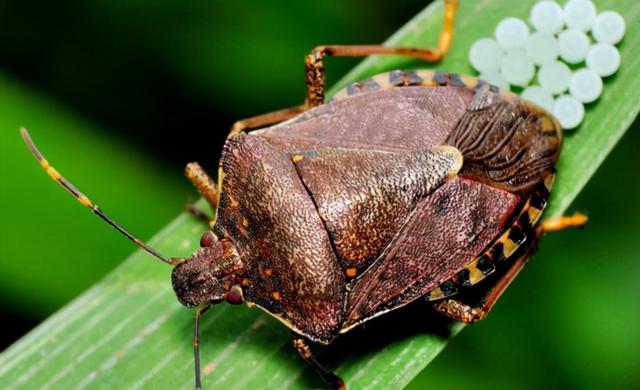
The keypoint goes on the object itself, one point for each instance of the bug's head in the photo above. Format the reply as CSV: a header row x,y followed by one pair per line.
x,y
209,275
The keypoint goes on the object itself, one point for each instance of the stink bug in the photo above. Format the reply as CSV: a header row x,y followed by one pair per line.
x,y
407,185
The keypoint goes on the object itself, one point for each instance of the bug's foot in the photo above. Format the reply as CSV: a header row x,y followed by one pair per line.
x,y
459,311
330,378
334,381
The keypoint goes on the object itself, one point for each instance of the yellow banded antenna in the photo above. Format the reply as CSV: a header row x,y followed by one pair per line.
x,y
82,198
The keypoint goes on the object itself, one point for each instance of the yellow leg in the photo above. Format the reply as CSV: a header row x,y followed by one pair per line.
x,y
472,313
554,224
314,65
269,118
203,182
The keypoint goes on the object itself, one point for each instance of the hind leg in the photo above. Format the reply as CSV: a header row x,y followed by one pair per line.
x,y
472,313
329,377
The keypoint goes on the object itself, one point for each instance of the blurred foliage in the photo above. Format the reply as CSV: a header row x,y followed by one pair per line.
x,y
52,249
120,94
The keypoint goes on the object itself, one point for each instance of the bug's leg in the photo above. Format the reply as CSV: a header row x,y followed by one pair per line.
x,y
314,65
554,224
329,377
205,185
314,69
196,342
269,118
468,314
197,212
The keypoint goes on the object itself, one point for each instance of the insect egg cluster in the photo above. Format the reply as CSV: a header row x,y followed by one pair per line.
x,y
571,48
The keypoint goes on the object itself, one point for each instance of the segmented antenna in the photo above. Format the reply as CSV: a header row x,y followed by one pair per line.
x,y
82,198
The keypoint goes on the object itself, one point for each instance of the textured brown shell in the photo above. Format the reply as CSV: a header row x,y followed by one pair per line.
x,y
347,211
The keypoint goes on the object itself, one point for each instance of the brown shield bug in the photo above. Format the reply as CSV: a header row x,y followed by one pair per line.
x,y
407,185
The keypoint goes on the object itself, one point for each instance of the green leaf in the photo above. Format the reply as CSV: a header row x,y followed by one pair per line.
x,y
128,331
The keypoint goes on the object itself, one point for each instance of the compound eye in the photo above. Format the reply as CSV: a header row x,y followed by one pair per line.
x,y
208,239
234,295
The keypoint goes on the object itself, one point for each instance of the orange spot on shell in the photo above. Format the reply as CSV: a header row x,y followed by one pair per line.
x,y
233,202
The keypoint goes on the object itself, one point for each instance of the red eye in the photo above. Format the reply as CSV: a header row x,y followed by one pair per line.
x,y
234,295
207,239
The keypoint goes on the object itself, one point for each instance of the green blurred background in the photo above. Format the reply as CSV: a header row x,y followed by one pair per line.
x,y
119,95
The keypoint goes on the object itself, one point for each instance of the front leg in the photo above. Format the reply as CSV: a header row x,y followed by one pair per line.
x,y
205,185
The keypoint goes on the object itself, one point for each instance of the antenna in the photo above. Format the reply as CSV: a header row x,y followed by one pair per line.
x,y
82,198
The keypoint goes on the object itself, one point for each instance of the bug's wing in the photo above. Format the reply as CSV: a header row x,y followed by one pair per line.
x,y
364,197
506,142
447,230
397,120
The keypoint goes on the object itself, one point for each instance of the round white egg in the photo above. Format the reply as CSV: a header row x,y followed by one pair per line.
x,y
495,78
547,16
486,55
608,27
512,33
585,86
539,96
604,59
554,76
574,45
517,68
568,111
542,47
579,14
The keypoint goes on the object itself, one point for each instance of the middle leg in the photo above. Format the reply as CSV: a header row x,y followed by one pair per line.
x,y
269,118
329,377
314,69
